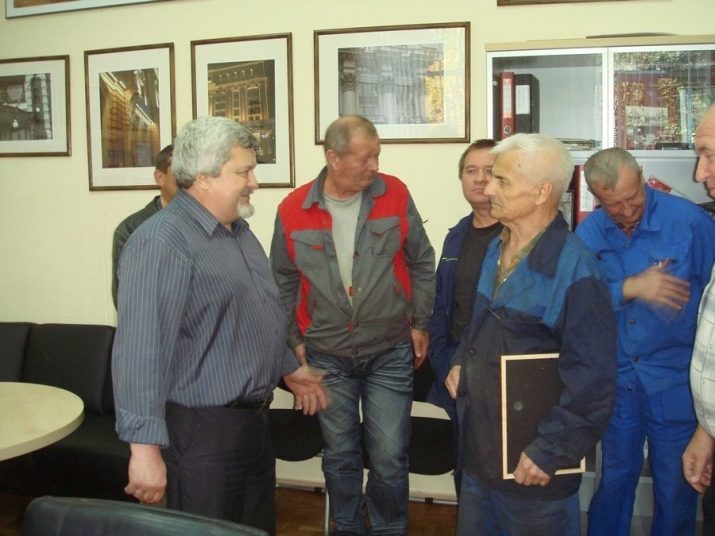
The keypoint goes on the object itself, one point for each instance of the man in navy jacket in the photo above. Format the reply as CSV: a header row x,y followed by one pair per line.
x,y
457,274
540,291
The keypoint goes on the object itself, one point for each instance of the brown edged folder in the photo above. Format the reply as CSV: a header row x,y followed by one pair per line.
x,y
530,387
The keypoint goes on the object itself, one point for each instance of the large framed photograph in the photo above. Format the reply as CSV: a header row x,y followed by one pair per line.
x,y
23,8
34,106
130,113
531,2
411,81
249,80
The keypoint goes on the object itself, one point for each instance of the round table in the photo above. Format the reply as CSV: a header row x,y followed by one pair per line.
x,y
33,416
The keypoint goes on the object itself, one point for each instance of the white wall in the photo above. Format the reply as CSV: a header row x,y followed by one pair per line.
x,y
55,235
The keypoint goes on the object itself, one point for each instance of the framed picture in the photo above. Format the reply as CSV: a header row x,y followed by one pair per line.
x,y
23,8
530,388
34,106
530,2
412,81
249,80
130,113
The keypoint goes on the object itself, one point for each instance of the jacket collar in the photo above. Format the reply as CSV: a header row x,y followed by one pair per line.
x,y
544,258
316,195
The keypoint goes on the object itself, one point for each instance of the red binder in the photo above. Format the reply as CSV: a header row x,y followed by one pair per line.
x,y
507,114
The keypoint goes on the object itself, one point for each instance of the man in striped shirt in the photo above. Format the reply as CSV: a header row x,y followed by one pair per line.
x,y
200,341
698,456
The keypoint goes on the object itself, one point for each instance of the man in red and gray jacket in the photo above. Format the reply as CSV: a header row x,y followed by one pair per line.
x,y
356,275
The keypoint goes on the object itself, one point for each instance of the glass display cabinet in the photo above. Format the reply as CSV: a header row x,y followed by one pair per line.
x,y
645,94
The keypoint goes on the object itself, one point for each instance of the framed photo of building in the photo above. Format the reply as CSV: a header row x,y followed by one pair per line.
x,y
34,106
23,8
130,113
411,81
249,80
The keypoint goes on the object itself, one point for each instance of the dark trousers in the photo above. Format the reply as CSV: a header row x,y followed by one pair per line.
x,y
220,464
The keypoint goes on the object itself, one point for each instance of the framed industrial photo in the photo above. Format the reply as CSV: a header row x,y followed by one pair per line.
x,y
34,106
530,389
530,2
23,8
130,113
412,81
249,80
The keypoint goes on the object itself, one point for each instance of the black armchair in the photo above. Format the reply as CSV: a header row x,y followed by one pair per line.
x,y
62,516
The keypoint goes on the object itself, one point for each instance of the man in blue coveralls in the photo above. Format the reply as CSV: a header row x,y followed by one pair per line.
x,y
656,251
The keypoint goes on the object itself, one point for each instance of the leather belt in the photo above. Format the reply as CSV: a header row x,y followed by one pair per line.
x,y
251,404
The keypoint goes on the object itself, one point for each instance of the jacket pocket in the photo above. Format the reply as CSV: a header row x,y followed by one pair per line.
x,y
309,248
384,236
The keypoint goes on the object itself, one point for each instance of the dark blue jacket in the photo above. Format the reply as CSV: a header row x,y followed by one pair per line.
x,y
556,300
441,345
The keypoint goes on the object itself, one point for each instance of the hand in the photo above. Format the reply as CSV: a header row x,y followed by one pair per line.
x,y
420,343
452,381
308,391
698,460
147,474
527,473
655,285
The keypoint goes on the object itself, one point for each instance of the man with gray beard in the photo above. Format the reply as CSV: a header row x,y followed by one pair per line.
x,y
200,342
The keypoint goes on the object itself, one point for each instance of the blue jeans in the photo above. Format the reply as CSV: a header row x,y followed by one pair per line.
x,y
382,383
484,511
668,421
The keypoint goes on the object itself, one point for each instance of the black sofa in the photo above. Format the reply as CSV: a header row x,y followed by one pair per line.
x,y
91,461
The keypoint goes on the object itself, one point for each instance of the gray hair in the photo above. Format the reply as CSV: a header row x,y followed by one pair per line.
x,y
204,145
602,167
342,130
546,159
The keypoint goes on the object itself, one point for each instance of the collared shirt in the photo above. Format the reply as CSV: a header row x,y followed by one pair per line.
x,y
122,233
200,320
654,343
702,366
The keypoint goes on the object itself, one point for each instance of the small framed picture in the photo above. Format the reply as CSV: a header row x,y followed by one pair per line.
x,y
249,80
130,113
412,81
23,8
34,106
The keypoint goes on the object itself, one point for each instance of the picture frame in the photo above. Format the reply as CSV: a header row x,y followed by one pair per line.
x,y
411,81
530,388
533,2
25,8
34,106
249,79
129,93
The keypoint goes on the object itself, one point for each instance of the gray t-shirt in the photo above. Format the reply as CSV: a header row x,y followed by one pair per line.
x,y
345,214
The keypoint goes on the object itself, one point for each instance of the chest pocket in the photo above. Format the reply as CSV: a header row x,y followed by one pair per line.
x,y
309,248
384,236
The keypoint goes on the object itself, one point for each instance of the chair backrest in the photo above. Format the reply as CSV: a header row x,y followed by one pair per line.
x,y
75,357
61,516
423,379
13,340
296,437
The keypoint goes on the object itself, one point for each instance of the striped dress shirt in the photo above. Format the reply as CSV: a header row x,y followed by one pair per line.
x,y
200,322
702,365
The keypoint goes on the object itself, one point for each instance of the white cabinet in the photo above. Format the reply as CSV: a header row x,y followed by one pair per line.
x,y
645,94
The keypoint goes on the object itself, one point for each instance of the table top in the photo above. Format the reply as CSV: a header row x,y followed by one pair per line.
x,y
33,416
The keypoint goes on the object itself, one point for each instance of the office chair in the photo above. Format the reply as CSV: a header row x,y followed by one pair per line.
x,y
65,516
432,449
